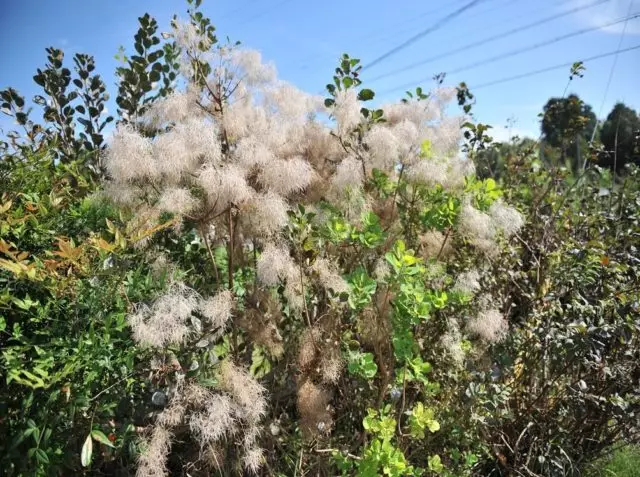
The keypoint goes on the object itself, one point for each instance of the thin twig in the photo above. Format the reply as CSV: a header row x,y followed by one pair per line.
x,y
213,258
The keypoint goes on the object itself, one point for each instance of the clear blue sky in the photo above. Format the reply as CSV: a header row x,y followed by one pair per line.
x,y
304,38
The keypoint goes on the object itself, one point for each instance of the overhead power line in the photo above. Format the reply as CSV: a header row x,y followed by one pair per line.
x,y
541,44
489,39
519,51
262,13
402,26
551,68
443,21
392,33
532,73
613,67
235,10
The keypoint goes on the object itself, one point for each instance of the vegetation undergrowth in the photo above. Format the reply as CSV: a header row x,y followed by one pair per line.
x,y
249,279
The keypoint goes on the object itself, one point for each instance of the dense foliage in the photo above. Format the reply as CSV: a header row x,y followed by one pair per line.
x,y
252,279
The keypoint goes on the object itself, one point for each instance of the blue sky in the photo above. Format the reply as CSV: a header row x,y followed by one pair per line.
x,y
304,39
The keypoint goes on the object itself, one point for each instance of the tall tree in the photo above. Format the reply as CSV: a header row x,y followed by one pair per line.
x,y
620,136
567,124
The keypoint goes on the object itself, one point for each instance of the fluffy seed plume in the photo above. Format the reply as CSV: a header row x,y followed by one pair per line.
x,y
489,325
217,309
347,110
506,218
177,200
266,214
152,462
129,156
329,277
313,406
225,185
383,147
286,176
166,321
274,265
215,421
245,390
468,282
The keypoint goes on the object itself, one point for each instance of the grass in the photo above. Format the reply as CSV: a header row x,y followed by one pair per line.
x,y
622,463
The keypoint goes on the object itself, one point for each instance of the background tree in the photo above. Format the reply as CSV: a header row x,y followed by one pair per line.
x,y
620,137
567,124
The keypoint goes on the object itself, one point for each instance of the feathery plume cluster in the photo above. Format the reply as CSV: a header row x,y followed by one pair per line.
x,y
348,176
251,406
215,420
251,68
267,213
331,365
176,107
188,37
313,406
217,309
506,218
166,322
468,282
129,157
433,244
225,186
274,265
383,147
318,357
308,348
260,321
489,325
481,228
347,110
451,341
177,200
478,228
245,390
285,177
382,270
152,461
329,276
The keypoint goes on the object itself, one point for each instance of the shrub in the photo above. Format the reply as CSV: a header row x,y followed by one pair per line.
x,y
273,282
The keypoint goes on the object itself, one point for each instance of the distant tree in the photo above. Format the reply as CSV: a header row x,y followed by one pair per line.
x,y
620,136
567,124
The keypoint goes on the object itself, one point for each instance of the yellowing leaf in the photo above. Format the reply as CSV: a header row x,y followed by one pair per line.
x,y
68,250
425,149
5,207
87,451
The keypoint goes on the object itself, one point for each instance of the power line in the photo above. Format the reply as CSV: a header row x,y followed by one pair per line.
x,y
613,67
236,10
262,13
389,34
423,33
535,46
489,39
518,51
551,68
534,72
402,26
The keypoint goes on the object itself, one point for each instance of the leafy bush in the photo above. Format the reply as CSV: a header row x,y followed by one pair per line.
x,y
267,281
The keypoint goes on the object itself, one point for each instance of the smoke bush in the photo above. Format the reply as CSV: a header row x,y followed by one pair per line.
x,y
337,231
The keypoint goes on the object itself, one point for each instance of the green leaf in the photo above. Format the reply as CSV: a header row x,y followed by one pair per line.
x,y
101,438
366,94
435,464
87,451
42,456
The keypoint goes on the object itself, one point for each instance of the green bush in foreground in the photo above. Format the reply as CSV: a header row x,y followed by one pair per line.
x,y
264,281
